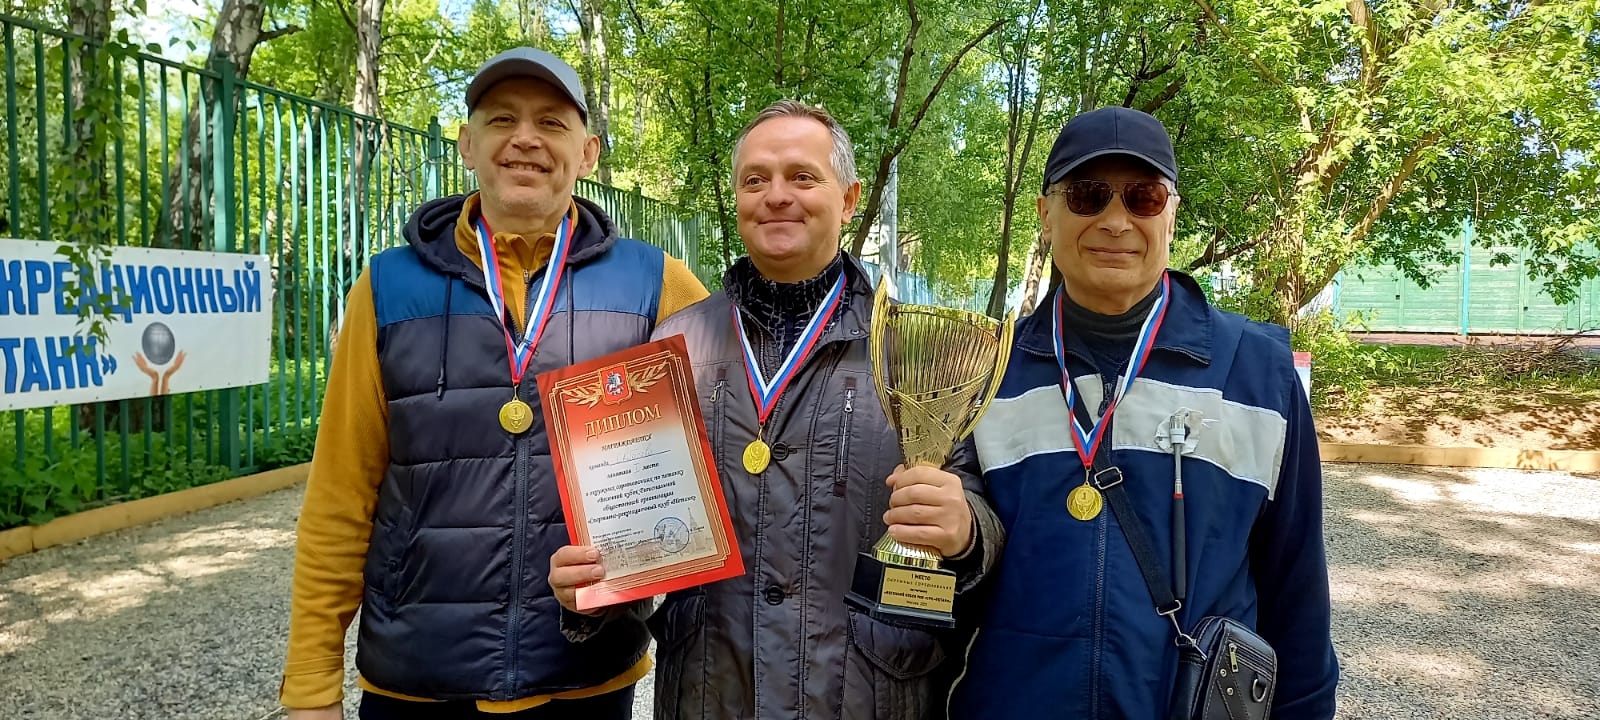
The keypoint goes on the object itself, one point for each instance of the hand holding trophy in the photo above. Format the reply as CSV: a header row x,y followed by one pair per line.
x,y
936,370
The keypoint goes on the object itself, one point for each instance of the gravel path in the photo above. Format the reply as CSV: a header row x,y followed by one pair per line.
x,y
1465,593
1458,594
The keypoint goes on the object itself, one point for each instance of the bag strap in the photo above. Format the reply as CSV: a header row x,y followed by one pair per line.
x,y
1109,482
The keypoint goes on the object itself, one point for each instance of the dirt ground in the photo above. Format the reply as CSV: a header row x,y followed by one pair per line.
x,y
1542,420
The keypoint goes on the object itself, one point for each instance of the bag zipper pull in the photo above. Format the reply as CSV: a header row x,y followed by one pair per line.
x,y
1233,657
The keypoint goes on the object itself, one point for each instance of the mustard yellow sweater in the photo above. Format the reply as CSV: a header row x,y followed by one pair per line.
x,y
351,455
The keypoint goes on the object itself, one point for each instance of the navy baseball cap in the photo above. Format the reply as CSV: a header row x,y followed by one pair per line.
x,y
528,62
1110,131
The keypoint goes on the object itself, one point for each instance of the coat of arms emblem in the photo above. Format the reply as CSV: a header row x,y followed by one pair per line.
x,y
616,384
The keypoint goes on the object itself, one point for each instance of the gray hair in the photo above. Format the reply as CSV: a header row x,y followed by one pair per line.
x,y
843,158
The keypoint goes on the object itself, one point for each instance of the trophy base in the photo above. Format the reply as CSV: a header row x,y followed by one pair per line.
x,y
902,595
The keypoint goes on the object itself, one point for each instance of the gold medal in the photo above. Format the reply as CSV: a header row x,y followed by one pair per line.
x,y
516,417
757,455
1084,502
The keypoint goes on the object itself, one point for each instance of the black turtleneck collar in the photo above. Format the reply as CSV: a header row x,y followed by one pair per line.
x,y
1109,337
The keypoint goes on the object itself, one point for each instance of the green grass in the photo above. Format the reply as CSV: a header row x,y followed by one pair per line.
x,y
83,469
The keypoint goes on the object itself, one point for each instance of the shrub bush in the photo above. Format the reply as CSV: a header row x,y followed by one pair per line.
x,y
1342,368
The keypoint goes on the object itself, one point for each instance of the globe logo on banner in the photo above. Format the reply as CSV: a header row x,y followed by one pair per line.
x,y
158,343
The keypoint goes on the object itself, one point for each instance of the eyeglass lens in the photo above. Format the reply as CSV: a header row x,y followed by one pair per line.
x,y
1090,197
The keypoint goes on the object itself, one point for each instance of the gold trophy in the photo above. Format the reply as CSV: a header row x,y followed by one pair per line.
x,y
936,370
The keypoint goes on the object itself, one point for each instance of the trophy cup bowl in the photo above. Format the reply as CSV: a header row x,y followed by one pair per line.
x,y
936,370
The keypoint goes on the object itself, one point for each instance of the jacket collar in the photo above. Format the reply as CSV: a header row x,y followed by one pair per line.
x,y
431,231
855,320
1185,331
854,317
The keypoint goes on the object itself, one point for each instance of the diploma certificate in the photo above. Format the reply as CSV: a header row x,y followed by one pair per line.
x,y
635,473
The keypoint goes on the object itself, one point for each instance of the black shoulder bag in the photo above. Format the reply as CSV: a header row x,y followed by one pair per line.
x,y
1225,670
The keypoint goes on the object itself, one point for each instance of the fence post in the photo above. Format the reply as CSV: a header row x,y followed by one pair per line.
x,y
637,211
435,158
228,425
1466,279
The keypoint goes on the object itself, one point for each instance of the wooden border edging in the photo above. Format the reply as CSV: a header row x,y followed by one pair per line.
x,y
1583,461
121,516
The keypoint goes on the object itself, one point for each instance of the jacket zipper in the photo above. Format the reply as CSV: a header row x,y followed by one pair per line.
x,y
843,468
1103,525
717,414
966,664
519,525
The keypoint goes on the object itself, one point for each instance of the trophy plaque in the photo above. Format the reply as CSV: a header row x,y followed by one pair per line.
x,y
936,370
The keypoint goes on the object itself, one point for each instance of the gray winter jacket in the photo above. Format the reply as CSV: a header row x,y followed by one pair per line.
x,y
780,642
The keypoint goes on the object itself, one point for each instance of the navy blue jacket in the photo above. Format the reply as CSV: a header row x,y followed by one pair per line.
x,y
1067,628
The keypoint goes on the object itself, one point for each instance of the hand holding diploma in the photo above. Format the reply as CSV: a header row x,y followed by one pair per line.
x,y
572,567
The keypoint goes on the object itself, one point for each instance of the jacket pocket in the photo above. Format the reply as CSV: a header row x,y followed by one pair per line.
x,y
887,671
674,626
379,565
385,562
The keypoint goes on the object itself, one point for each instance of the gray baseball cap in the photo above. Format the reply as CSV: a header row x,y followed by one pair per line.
x,y
528,62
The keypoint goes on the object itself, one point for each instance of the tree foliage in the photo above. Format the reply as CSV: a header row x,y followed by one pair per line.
x,y
1311,135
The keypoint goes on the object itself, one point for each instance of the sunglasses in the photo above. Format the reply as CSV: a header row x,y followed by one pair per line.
x,y
1090,197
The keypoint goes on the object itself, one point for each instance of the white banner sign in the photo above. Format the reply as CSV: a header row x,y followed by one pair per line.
x,y
188,321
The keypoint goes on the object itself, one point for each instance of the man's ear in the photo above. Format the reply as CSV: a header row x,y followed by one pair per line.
x,y
591,155
852,196
464,145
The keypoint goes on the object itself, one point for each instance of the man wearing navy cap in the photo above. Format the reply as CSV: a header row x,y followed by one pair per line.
x,y
1130,401
432,504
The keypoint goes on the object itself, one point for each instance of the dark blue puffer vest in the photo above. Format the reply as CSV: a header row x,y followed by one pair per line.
x,y
457,605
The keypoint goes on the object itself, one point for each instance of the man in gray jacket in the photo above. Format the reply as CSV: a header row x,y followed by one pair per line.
x,y
781,359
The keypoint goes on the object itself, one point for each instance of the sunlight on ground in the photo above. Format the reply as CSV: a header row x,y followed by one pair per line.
x,y
1463,590
1432,666
89,591
1416,586
1504,540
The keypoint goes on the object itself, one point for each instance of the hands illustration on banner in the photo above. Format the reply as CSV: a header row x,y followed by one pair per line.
x,y
158,344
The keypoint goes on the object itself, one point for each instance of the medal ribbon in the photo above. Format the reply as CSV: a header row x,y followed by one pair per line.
x,y
1088,442
766,393
520,353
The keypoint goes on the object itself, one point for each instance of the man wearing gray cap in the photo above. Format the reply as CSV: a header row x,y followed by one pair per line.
x,y
432,505
1155,466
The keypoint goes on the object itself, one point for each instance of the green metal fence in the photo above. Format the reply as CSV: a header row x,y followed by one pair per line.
x,y
1487,291
201,159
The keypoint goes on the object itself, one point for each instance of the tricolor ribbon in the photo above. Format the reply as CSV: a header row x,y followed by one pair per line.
x,y
1087,442
767,392
520,353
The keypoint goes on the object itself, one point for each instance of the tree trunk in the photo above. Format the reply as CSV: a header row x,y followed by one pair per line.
x,y
93,111
900,131
1018,131
602,110
1037,258
90,227
596,70
530,20
187,201
369,43
364,147
777,46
